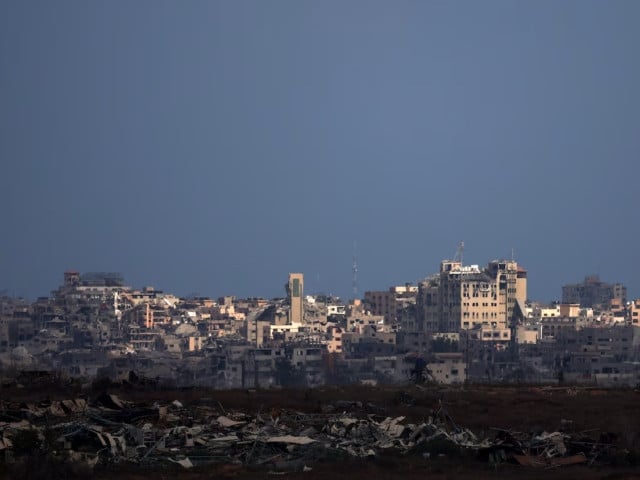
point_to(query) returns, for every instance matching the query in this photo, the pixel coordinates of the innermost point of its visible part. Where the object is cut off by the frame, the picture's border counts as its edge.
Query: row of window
(476, 315)
(477, 304)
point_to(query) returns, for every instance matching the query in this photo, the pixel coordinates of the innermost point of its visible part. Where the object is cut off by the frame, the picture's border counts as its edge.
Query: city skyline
(213, 147)
(361, 294)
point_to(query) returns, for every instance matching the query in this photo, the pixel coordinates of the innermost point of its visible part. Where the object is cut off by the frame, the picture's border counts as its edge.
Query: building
(527, 334)
(593, 292)
(634, 312)
(368, 341)
(464, 297)
(390, 303)
(513, 278)
(295, 294)
(447, 368)
(569, 310)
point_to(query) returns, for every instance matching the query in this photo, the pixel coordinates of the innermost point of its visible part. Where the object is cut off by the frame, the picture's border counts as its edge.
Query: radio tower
(354, 272)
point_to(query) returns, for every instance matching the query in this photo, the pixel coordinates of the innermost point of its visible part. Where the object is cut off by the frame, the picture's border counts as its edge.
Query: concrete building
(593, 292)
(413, 341)
(368, 341)
(553, 327)
(336, 311)
(308, 358)
(527, 334)
(634, 312)
(258, 332)
(334, 340)
(390, 303)
(358, 320)
(295, 294)
(569, 310)
(545, 311)
(512, 278)
(464, 297)
(447, 368)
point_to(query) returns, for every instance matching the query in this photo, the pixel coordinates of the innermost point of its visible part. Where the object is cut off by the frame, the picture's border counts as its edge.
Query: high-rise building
(295, 294)
(593, 292)
(513, 279)
(464, 297)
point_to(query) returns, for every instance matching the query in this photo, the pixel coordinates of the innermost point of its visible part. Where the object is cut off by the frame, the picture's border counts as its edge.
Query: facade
(569, 310)
(390, 303)
(295, 294)
(368, 341)
(447, 368)
(464, 297)
(634, 312)
(527, 335)
(512, 278)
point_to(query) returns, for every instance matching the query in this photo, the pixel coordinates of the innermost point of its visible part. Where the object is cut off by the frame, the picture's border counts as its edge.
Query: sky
(212, 147)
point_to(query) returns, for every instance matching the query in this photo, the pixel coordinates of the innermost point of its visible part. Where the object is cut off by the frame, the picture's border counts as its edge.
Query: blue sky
(212, 147)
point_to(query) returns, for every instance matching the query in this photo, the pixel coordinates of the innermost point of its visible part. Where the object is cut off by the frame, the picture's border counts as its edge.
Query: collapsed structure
(105, 430)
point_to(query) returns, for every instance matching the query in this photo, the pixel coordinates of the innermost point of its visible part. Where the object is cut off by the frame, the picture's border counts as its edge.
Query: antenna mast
(354, 273)
(459, 253)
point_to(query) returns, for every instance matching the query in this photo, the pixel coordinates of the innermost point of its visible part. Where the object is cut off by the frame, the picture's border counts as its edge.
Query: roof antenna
(354, 272)
(459, 253)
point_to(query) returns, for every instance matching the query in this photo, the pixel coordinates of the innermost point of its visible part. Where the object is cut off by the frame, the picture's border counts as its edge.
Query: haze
(213, 147)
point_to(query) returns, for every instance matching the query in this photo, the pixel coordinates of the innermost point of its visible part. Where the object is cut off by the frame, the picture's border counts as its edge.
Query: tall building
(295, 294)
(593, 292)
(390, 303)
(513, 279)
(465, 297)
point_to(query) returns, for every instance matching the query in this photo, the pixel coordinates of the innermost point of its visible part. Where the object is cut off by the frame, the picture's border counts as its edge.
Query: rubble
(109, 430)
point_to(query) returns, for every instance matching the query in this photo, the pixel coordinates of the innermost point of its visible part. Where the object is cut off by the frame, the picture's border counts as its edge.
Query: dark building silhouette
(593, 292)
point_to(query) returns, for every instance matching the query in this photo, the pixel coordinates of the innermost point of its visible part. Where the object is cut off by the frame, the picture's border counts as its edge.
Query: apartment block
(593, 292)
(390, 303)
(464, 297)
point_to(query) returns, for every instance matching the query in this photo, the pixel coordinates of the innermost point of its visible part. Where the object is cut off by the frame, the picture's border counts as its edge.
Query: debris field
(105, 432)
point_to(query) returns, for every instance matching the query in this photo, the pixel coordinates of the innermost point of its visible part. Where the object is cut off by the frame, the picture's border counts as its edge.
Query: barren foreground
(600, 429)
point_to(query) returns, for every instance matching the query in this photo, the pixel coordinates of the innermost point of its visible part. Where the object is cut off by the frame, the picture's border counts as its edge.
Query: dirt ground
(612, 413)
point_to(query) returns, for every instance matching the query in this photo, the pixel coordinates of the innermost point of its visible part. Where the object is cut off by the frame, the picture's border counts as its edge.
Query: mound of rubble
(108, 430)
